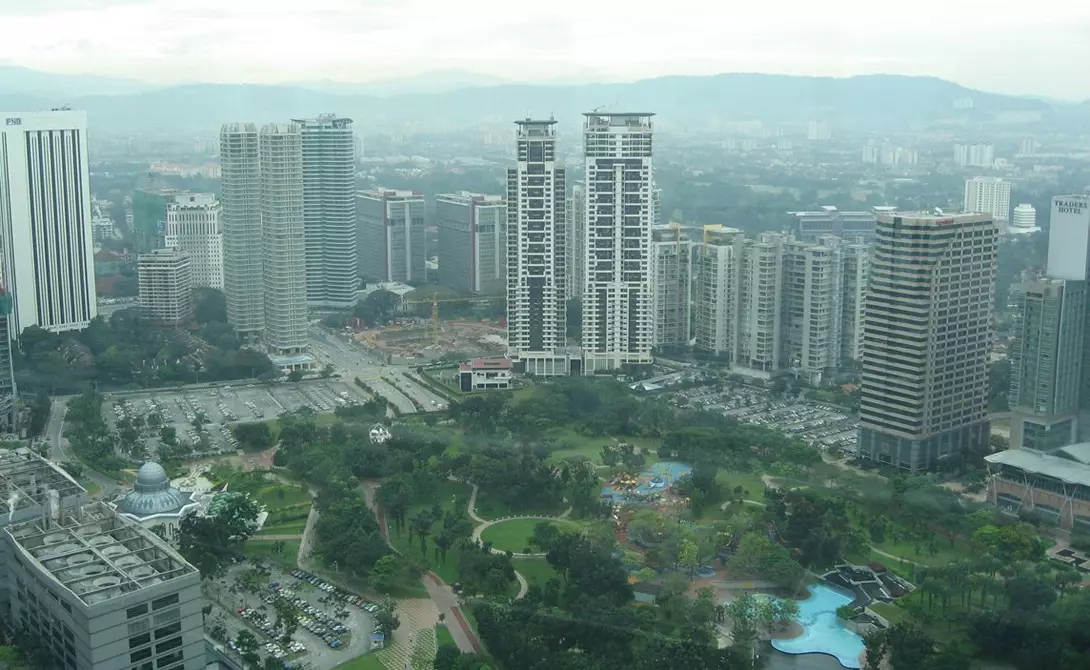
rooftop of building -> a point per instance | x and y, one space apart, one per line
465 197
97 554
153 495
26 479
937 217
486 364
1069 464
380 193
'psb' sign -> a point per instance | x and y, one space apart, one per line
13 121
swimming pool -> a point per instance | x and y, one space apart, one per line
823 633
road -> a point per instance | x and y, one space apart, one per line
60 451
352 360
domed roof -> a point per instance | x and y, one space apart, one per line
152 493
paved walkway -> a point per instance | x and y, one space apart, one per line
896 558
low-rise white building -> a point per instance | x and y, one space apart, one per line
166 285
485 374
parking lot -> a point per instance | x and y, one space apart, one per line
824 426
334 626
200 417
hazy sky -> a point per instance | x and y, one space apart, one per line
1040 48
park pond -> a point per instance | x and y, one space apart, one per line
823 632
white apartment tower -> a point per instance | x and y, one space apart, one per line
576 240
193 226
855 263
759 313
165 278
329 211
811 299
45 220
716 302
671 261
925 345
536 254
284 249
618 323
243 253
988 195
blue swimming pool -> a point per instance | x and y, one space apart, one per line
823 633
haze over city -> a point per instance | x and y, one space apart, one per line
973 43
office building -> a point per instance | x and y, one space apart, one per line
536 254
284 254
45 220
391 235
1069 238
1055 486
576 241
149 215
1024 220
472 242
1046 357
8 389
243 253
811 308
925 344
165 278
329 211
716 300
988 195
855 262
672 279
618 323
810 226
193 226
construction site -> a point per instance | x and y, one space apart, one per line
431 337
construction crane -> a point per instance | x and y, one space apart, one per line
434 302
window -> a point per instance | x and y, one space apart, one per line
168 645
136 611
137 656
169 660
166 631
165 601
139 640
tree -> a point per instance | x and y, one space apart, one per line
168 435
384 571
745 615
328 370
247 648
387 621
255 435
543 536
287 619
395 497
295 375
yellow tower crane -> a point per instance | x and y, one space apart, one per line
434 302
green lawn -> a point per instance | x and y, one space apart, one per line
365 662
590 446
266 551
449 495
536 571
443 637
749 482
489 507
515 535
286 528
892 613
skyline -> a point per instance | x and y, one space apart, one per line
275 41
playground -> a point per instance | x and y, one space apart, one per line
651 488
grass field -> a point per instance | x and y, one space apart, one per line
266 551
892 613
365 662
449 495
515 535
536 571
443 637
286 528
490 508
749 482
590 446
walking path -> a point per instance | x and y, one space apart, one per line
896 558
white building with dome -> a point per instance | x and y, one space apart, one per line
154 502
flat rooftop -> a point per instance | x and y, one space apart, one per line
96 554
26 479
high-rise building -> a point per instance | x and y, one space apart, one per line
472 242
618 323
243 253
988 195
576 241
974 155
536 254
656 206
149 215
759 325
329 211
811 308
716 300
165 279
391 235
925 345
1024 220
819 131
672 273
8 392
45 220
855 263
1046 362
284 247
810 226
97 590
1069 238
193 226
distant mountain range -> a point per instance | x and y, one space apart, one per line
878 102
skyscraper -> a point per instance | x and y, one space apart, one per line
925 343
243 276
193 226
391 235
472 242
165 278
716 302
811 297
576 241
1046 362
45 220
1069 238
618 323
329 211
536 256
988 195
671 254
284 248
760 280
8 392
856 267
